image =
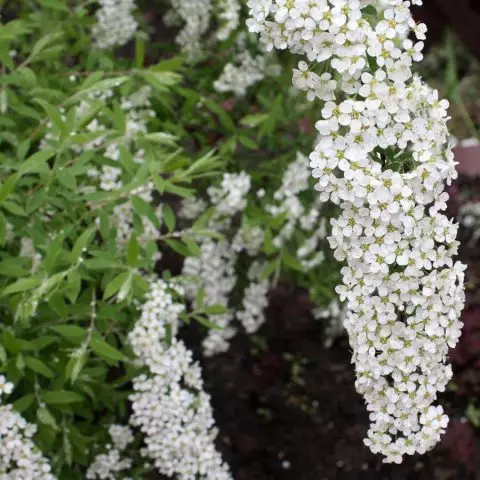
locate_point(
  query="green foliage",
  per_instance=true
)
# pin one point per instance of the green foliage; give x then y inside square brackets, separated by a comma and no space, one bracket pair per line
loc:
[68,290]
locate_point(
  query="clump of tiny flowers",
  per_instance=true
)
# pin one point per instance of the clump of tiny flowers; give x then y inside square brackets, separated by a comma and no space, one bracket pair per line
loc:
[244,71]
[383,156]
[216,264]
[108,466]
[115,23]
[19,457]
[287,201]
[169,405]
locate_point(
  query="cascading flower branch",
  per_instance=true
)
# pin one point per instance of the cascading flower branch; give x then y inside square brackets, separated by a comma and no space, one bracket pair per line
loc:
[169,404]
[383,156]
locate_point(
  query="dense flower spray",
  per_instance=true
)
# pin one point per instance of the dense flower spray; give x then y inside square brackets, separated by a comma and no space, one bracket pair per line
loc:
[115,23]
[169,404]
[382,156]
[19,457]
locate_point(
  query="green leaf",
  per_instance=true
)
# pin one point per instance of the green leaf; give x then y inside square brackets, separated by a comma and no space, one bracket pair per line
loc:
[72,286]
[206,322]
[61,397]
[178,247]
[23,403]
[223,116]
[199,298]
[82,242]
[38,366]
[98,86]
[32,163]
[8,186]
[41,44]
[53,115]
[75,366]
[53,252]
[22,285]
[115,285]
[44,416]
[292,262]
[216,310]
[254,120]
[55,5]
[101,264]
[139,51]
[132,251]
[14,208]
[168,217]
[67,179]
[70,332]
[105,350]
[162,138]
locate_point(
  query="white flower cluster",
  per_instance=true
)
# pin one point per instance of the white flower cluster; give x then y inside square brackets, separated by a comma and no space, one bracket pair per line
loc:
[383,157]
[228,17]
[240,74]
[287,202]
[169,404]
[194,17]
[115,23]
[255,299]
[230,197]
[469,216]
[20,459]
[108,466]
[215,266]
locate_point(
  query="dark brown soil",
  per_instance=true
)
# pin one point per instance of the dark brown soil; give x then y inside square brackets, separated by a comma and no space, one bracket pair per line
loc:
[287,409]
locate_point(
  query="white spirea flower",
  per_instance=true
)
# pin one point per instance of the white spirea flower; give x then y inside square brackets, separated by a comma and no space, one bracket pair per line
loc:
[215,267]
[228,17]
[382,156]
[231,196]
[169,405]
[115,23]
[194,17]
[240,74]
[107,466]
[255,299]
[19,457]
[121,436]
